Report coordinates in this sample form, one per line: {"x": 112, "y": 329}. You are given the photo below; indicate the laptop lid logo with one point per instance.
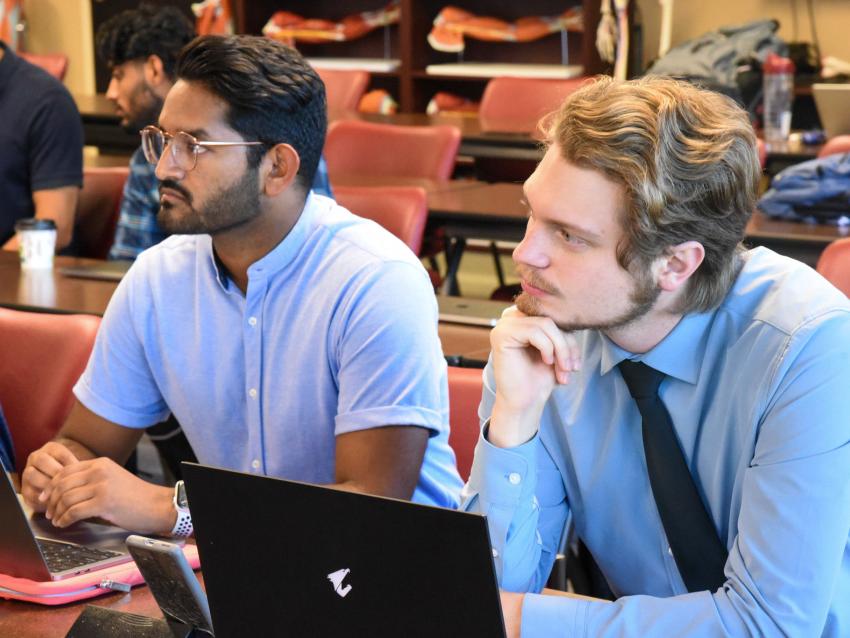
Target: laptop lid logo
{"x": 336, "y": 579}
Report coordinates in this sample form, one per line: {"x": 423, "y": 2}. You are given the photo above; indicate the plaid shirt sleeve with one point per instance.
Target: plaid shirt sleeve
{"x": 137, "y": 229}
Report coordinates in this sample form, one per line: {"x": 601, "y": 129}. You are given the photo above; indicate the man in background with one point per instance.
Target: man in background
{"x": 41, "y": 162}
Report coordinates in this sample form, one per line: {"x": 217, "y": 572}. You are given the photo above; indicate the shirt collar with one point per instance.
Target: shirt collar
{"x": 278, "y": 257}
{"x": 679, "y": 354}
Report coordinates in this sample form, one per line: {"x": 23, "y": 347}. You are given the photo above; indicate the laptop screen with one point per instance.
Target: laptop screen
{"x": 285, "y": 557}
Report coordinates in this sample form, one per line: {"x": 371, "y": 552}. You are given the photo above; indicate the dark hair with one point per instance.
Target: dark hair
{"x": 687, "y": 160}
{"x": 273, "y": 95}
{"x": 136, "y": 34}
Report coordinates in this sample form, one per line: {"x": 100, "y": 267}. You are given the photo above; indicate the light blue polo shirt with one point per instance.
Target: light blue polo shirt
{"x": 337, "y": 333}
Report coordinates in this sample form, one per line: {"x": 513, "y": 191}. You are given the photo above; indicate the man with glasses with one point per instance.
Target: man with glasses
{"x": 141, "y": 47}
{"x": 288, "y": 337}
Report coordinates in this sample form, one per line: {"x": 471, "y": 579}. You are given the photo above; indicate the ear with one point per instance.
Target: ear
{"x": 154, "y": 73}
{"x": 679, "y": 264}
{"x": 279, "y": 168}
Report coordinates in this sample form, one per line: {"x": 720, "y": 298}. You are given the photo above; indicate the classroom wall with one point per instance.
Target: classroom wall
{"x": 63, "y": 26}
{"x": 693, "y": 17}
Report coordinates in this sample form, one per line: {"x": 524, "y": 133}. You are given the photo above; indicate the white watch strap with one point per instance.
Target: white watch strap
{"x": 183, "y": 527}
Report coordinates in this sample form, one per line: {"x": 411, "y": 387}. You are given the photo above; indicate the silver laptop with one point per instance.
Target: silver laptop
{"x": 30, "y": 547}
{"x": 470, "y": 312}
{"x": 833, "y": 104}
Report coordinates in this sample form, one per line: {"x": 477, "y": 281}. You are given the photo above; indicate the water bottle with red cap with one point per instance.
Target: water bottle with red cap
{"x": 778, "y": 95}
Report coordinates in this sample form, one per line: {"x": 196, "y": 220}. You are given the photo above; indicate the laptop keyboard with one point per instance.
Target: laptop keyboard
{"x": 61, "y": 557}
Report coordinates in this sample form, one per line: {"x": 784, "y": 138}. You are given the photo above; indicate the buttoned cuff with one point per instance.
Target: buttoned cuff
{"x": 504, "y": 476}
{"x": 548, "y": 615}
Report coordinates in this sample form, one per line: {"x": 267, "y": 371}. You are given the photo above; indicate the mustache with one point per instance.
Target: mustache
{"x": 531, "y": 277}
{"x": 172, "y": 185}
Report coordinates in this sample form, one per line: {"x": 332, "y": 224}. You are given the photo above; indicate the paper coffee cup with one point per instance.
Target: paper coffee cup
{"x": 36, "y": 242}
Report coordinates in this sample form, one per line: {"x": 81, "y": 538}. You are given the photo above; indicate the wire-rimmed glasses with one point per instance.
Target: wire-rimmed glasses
{"x": 184, "y": 147}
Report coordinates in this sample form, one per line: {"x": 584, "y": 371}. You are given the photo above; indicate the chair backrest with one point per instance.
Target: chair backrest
{"x": 761, "y": 147}
{"x": 365, "y": 148}
{"x": 343, "y": 89}
{"x": 515, "y": 105}
{"x": 54, "y": 63}
{"x": 97, "y": 210}
{"x": 834, "y": 264}
{"x": 43, "y": 355}
{"x": 465, "y": 385}
{"x": 402, "y": 210}
{"x": 837, "y": 144}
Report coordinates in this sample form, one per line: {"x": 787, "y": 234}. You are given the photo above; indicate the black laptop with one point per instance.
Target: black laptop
{"x": 282, "y": 558}
{"x": 30, "y": 547}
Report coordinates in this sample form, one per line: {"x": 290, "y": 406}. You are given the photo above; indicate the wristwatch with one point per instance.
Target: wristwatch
{"x": 183, "y": 526}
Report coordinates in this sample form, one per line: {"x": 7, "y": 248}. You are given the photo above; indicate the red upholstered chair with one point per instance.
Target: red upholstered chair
{"x": 43, "y": 355}
{"x": 343, "y": 88}
{"x": 838, "y": 144}
{"x": 365, "y": 148}
{"x": 97, "y": 210}
{"x": 515, "y": 105}
{"x": 465, "y": 386}
{"x": 402, "y": 210}
{"x": 834, "y": 264}
{"x": 54, "y": 63}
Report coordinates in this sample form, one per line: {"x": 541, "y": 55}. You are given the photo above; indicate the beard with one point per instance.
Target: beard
{"x": 144, "y": 109}
{"x": 641, "y": 300}
{"x": 228, "y": 209}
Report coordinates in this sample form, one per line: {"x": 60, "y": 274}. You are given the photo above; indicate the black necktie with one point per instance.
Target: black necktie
{"x": 693, "y": 539}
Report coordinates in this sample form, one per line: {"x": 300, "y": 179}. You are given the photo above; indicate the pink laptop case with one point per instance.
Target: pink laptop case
{"x": 58, "y": 592}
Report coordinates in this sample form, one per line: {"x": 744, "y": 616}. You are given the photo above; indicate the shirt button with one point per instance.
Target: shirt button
{"x": 252, "y": 321}
{"x": 252, "y": 393}
{"x": 255, "y": 464}
{"x": 495, "y": 553}
{"x": 670, "y": 550}
{"x": 514, "y": 478}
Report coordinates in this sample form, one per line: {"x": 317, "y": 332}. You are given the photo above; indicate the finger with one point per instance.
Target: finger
{"x": 561, "y": 346}
{"x": 64, "y": 483}
{"x": 574, "y": 348}
{"x": 512, "y": 311}
{"x": 540, "y": 341}
{"x": 33, "y": 483}
{"x": 78, "y": 512}
{"x": 61, "y": 453}
{"x": 45, "y": 463}
{"x": 74, "y": 505}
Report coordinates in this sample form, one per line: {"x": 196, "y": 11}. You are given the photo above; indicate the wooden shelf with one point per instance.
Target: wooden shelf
{"x": 407, "y": 41}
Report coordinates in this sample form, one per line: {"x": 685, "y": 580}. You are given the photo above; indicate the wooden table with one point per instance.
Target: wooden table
{"x": 50, "y": 291}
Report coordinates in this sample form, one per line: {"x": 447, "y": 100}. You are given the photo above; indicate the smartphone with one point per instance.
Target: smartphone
{"x": 171, "y": 580}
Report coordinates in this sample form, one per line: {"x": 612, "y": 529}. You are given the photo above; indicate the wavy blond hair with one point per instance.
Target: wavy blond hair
{"x": 688, "y": 162}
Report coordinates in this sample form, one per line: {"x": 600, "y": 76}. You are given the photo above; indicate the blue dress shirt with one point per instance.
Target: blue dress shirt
{"x": 759, "y": 394}
{"x": 336, "y": 333}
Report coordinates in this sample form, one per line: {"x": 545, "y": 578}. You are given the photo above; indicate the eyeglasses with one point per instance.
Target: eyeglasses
{"x": 184, "y": 147}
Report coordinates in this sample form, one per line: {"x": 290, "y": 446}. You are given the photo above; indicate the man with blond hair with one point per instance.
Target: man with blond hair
{"x": 677, "y": 404}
